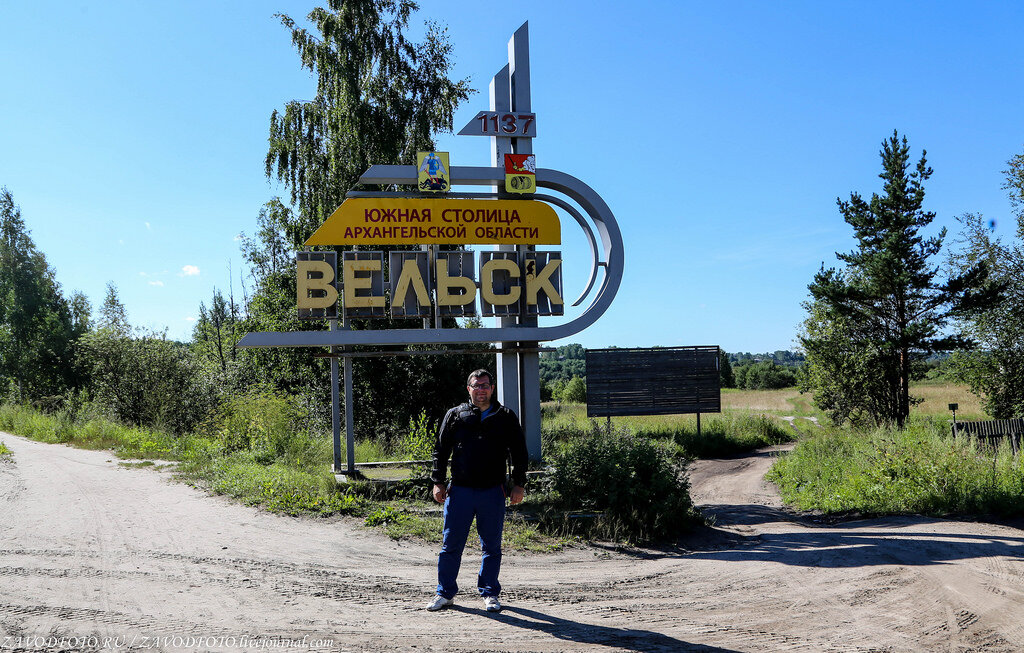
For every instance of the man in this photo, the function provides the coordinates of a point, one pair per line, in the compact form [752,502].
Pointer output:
[479,437]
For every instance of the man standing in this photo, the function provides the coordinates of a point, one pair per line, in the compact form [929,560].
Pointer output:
[479,437]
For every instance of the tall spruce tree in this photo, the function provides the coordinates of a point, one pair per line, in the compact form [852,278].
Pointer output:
[872,323]
[38,326]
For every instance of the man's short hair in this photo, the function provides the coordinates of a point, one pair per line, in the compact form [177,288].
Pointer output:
[476,374]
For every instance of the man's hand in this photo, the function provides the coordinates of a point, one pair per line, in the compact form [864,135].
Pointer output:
[518,492]
[440,493]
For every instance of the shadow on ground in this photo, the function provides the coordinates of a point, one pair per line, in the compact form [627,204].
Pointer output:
[630,639]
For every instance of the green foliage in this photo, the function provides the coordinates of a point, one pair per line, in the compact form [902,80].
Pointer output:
[872,323]
[573,392]
[383,516]
[765,375]
[380,98]
[146,379]
[995,369]
[279,487]
[724,434]
[920,469]
[261,422]
[113,314]
[638,486]
[88,432]
[4,451]
[562,364]
[728,434]
[38,326]
[216,332]
[726,377]
[419,441]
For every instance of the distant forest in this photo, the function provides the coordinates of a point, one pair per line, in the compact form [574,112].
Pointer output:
[744,370]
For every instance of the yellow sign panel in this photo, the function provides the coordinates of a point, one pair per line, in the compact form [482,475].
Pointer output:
[432,168]
[408,221]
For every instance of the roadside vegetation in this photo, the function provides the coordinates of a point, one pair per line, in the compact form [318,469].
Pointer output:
[259,449]
[920,469]
[4,451]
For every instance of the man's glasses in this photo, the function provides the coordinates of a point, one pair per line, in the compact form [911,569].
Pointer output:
[481,386]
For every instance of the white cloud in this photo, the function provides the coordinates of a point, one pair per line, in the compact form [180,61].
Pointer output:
[156,283]
[190,319]
[149,226]
[143,274]
[189,271]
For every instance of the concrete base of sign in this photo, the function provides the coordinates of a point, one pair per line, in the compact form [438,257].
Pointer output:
[343,477]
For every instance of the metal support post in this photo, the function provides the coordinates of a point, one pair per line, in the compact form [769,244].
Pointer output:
[335,406]
[350,429]
[508,363]
[336,423]
[528,363]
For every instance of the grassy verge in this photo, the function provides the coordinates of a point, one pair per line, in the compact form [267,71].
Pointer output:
[4,451]
[293,478]
[727,433]
[920,470]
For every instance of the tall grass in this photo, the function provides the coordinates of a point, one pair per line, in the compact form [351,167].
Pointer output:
[723,434]
[919,470]
[90,432]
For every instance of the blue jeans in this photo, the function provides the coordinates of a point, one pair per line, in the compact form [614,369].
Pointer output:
[462,504]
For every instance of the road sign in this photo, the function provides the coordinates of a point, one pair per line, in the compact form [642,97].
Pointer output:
[502,123]
[417,221]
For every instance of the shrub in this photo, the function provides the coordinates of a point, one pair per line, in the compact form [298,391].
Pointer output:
[418,443]
[146,380]
[638,486]
[574,392]
[262,422]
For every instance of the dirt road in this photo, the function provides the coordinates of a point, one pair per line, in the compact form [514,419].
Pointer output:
[95,556]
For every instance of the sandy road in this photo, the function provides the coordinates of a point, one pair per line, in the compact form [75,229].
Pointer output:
[89,549]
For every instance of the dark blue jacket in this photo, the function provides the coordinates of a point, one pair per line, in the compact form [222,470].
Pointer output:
[479,448]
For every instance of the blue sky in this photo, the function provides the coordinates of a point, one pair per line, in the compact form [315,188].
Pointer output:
[720,134]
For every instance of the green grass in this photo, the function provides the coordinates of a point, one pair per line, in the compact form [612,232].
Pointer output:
[920,470]
[259,458]
[4,451]
[297,481]
[727,433]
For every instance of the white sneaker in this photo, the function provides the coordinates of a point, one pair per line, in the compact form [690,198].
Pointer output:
[491,604]
[438,603]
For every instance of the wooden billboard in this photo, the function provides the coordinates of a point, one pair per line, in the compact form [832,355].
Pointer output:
[658,381]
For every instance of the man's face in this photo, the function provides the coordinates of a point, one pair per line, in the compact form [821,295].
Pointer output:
[480,391]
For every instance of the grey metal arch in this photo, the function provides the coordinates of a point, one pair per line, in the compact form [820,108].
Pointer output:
[612,261]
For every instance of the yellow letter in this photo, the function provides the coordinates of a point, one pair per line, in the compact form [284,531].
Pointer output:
[445,284]
[411,276]
[536,282]
[487,282]
[306,285]
[353,283]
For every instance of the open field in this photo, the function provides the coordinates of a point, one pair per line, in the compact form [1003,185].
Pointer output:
[937,396]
